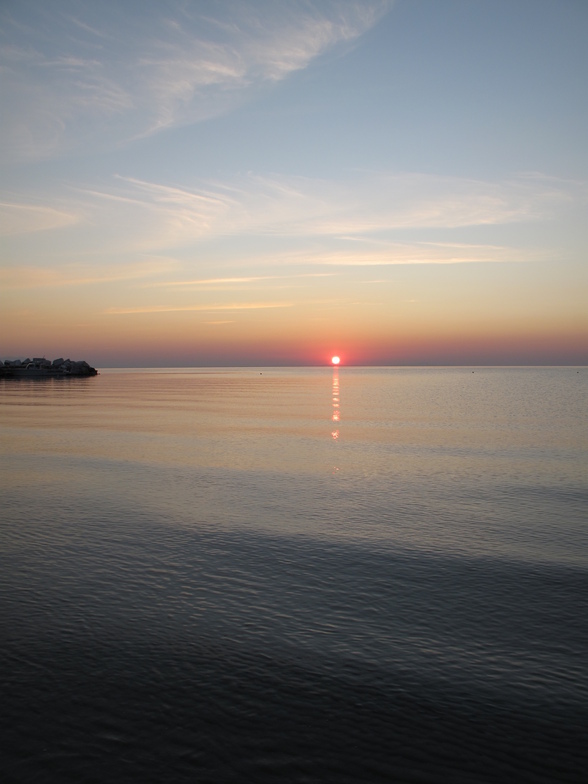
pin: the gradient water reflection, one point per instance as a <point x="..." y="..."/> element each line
<point x="199" y="582"/>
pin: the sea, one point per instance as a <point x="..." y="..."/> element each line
<point x="306" y="575"/>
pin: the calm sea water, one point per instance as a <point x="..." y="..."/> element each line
<point x="295" y="575"/>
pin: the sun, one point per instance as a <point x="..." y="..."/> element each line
<point x="335" y="360"/>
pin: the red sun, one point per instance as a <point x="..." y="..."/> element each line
<point x="335" y="360"/>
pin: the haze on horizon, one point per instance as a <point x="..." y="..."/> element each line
<point x="252" y="182"/>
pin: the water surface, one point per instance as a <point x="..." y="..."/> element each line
<point x="295" y="575"/>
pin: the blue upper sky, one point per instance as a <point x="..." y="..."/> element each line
<point x="279" y="165"/>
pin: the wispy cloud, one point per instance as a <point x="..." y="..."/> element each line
<point x="69" y="275"/>
<point x="364" y="207"/>
<point x="18" y="218"/>
<point x="369" y="203"/>
<point x="229" y="281"/>
<point x="217" y="281"/>
<point x="123" y="75"/>
<point x="205" y="308"/>
<point x="254" y="230"/>
<point x="381" y="254"/>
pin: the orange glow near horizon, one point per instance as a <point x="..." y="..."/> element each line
<point x="275" y="339"/>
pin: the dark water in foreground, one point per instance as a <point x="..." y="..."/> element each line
<point x="299" y="576"/>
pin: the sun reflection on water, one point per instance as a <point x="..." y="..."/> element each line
<point x="336" y="416"/>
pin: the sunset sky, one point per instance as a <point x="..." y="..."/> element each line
<point x="209" y="182"/>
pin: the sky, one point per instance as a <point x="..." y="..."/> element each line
<point x="252" y="182"/>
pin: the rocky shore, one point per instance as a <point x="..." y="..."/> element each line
<point x="45" y="368"/>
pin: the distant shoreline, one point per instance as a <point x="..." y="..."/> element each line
<point x="45" y="368"/>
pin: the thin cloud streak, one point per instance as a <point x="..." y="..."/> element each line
<point x="31" y="277"/>
<point x="395" y="253"/>
<point x="229" y="281"/>
<point x="205" y="308"/>
<point x="213" y="281"/>
<point x="17" y="218"/>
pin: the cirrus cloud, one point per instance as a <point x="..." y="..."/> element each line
<point x="130" y="70"/>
